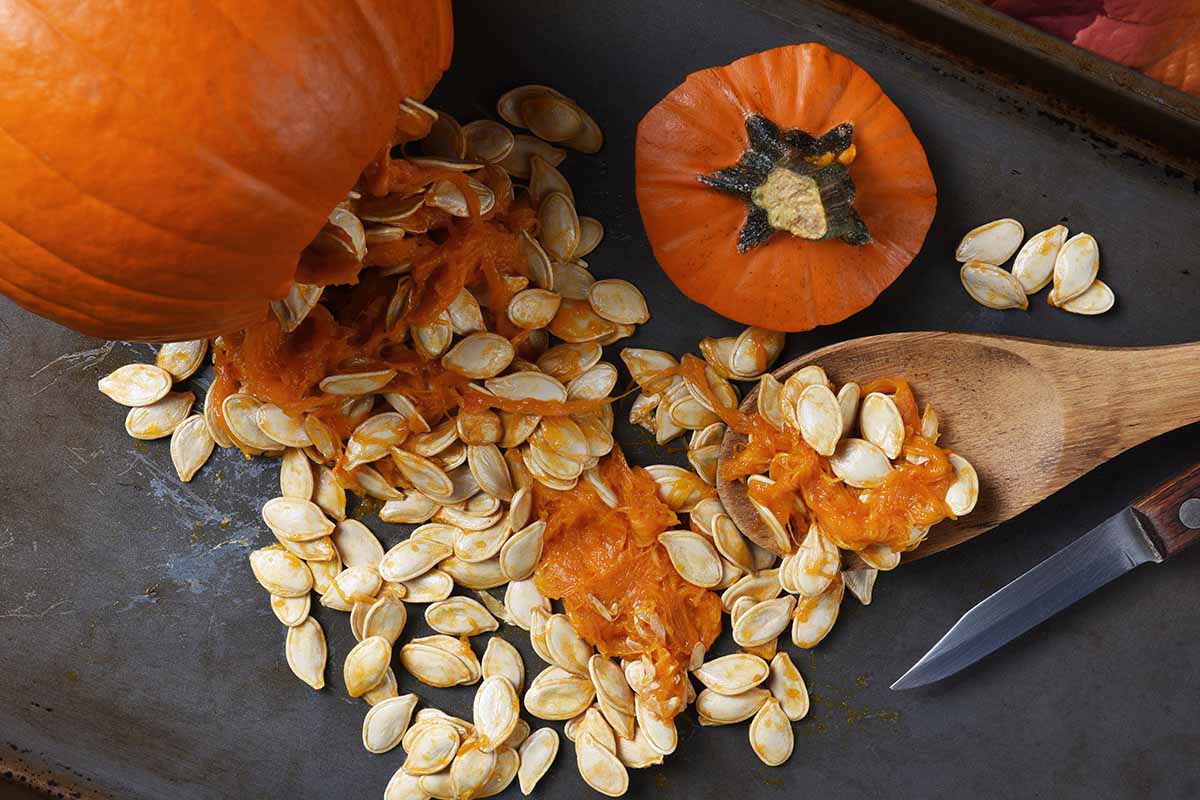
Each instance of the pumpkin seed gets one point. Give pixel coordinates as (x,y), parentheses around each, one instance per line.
(779,534)
(136,385)
(240,412)
(478,427)
(372,438)
(816,563)
(161,418)
(847,398)
(1034,264)
(291,611)
(861,583)
(550,117)
(566,647)
(537,753)
(882,424)
(280,572)
(661,733)
(820,418)
(470,771)
(357,383)
(357,544)
(754,350)
(880,557)
(296,519)
(618,301)
(964,491)
(860,464)
(636,752)
(474,574)
(412,508)
(295,306)
(459,616)
(387,722)
(594,723)
(1075,268)
(313,550)
(323,572)
(296,475)
(545,179)
(520,598)
(321,435)
(495,711)
(556,694)
(490,471)
(693,556)
(217,428)
(385,619)
(771,734)
(679,488)
(191,445)
(992,286)
(595,383)
(1096,299)
(763,622)
(733,674)
(431,340)
(559,226)
(412,558)
(426,476)
(445,137)
(533,308)
(573,282)
(282,427)
(351,585)
(521,552)
(993,243)
(814,616)
(439,532)
(518,162)
(430,587)
(501,659)
(431,747)
(433,666)
(590,138)
(480,355)
(599,767)
(767,401)
(482,545)
(181,359)
(487,140)
(306,652)
(527,385)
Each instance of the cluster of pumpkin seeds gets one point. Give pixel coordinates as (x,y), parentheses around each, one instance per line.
(466,483)
(1072,264)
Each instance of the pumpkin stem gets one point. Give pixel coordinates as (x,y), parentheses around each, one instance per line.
(796,182)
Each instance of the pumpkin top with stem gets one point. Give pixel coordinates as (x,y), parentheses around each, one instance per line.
(793,281)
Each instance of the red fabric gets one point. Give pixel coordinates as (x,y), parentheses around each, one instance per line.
(1158,37)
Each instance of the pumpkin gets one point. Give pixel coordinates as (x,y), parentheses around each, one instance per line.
(784,190)
(165,165)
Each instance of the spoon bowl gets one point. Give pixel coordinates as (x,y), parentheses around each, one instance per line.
(1030,416)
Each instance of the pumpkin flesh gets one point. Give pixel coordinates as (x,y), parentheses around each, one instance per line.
(786,284)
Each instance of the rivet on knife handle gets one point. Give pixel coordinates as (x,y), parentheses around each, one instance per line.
(1170,514)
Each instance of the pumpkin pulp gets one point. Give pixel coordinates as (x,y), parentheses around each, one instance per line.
(616,581)
(794,182)
(805,487)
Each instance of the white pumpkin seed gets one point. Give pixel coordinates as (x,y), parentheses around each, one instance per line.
(820,418)
(350,586)
(429,587)
(618,301)
(480,355)
(291,611)
(861,583)
(551,117)
(661,733)
(814,616)
(282,427)
(733,674)
(754,350)
(860,464)
(280,572)
(181,359)
(295,474)
(412,509)
(411,558)
(482,545)
(357,544)
(306,652)
(387,722)
(161,418)
(882,424)
(816,563)
(566,647)
(191,445)
(240,412)
(993,243)
(591,233)
(537,753)
(1075,268)
(520,598)
(693,556)
(767,402)
(495,711)
(559,226)
(880,557)
(847,398)
(720,709)
(501,659)
(385,618)
(426,476)
(358,383)
(533,308)
(521,553)
(507,763)
(964,491)
(136,385)
(556,694)
(431,747)
(771,734)
(763,622)
(460,616)
(599,767)
(1034,264)
(787,686)
(612,688)
(296,519)
(1096,299)
(433,666)
(992,286)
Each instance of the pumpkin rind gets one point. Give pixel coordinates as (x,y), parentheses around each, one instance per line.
(786,284)
(165,167)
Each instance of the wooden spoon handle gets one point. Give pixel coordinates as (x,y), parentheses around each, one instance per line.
(1171,513)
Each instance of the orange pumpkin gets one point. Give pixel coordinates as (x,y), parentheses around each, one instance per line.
(784,190)
(164,166)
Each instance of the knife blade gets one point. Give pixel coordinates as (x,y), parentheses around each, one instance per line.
(1149,531)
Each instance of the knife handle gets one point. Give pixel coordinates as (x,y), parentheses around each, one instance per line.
(1170,514)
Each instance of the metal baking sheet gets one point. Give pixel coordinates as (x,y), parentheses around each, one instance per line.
(139,659)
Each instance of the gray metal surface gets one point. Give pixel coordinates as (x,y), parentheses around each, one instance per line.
(1105,553)
(138,656)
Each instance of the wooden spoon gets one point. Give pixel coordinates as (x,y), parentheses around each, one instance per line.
(1030,416)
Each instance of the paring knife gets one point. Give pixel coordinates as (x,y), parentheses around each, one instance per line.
(1153,529)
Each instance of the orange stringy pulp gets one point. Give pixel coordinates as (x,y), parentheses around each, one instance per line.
(912,496)
(615,580)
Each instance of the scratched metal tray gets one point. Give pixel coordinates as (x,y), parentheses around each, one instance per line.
(138,658)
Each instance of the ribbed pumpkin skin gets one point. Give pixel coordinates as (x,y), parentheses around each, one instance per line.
(787,284)
(162,164)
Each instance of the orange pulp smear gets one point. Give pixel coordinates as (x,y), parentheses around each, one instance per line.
(613,555)
(913,495)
